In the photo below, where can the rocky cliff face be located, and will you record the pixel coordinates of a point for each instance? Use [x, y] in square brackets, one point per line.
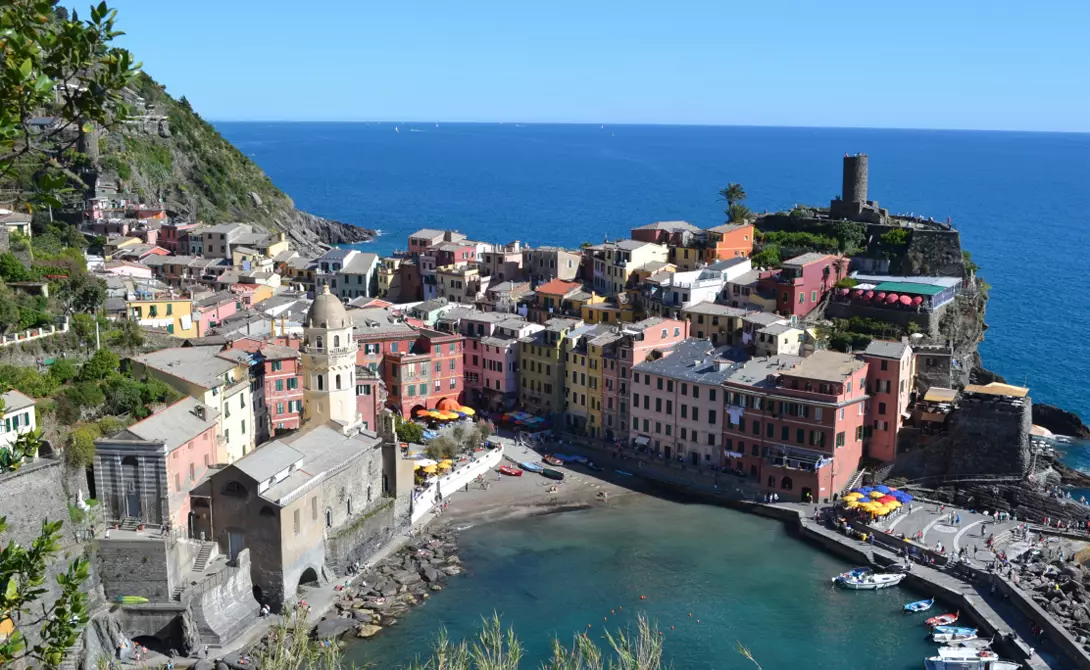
[184, 163]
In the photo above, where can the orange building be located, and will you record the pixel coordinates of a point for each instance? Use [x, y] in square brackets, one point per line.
[729, 241]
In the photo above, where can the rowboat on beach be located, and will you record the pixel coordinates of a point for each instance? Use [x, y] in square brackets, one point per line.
[943, 619]
[553, 460]
[552, 474]
[530, 467]
[919, 605]
[510, 471]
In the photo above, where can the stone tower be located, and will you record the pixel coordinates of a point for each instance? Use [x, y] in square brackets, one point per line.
[329, 363]
[855, 179]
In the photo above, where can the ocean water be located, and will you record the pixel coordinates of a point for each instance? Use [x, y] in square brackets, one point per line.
[712, 577]
[1020, 200]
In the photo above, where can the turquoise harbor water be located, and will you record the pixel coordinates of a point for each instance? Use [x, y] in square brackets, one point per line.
[742, 577]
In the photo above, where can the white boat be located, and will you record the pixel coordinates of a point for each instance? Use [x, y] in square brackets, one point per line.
[952, 633]
[863, 579]
[955, 658]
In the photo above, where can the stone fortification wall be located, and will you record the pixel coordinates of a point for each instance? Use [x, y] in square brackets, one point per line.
[360, 539]
[223, 605]
[135, 567]
[990, 434]
[928, 322]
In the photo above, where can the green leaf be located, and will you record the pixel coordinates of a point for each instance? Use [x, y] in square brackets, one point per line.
[25, 67]
[12, 590]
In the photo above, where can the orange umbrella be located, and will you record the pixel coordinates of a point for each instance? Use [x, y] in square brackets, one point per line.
[421, 412]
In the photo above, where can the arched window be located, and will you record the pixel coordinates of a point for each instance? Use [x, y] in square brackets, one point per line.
[318, 341]
[338, 382]
[328, 518]
[772, 481]
[321, 383]
[336, 341]
[234, 490]
[786, 484]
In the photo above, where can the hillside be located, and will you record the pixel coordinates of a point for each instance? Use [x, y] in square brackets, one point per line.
[168, 153]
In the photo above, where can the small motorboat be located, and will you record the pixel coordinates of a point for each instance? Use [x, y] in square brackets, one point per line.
[531, 467]
[951, 658]
[943, 619]
[865, 579]
[553, 460]
[953, 634]
[920, 605]
[131, 600]
[510, 471]
[552, 474]
[967, 644]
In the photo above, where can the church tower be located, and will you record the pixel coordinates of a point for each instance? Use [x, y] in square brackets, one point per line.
[329, 363]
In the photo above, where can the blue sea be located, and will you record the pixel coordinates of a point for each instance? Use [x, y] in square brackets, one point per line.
[1020, 200]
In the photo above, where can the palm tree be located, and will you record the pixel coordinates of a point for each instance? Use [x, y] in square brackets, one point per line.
[733, 193]
[738, 213]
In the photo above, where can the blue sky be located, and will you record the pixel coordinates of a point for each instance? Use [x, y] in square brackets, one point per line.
[975, 64]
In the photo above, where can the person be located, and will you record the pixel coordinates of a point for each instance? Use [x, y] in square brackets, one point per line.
[957, 520]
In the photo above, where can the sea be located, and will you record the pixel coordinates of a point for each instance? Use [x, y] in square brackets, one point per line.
[1020, 200]
[709, 578]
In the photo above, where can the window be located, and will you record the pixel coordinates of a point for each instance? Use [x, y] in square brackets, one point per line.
[670, 386]
[684, 389]
[412, 390]
[635, 423]
[668, 427]
[328, 518]
[177, 482]
[684, 411]
[321, 383]
[337, 379]
[645, 422]
[243, 426]
[813, 296]
[658, 383]
[817, 414]
[192, 472]
[279, 384]
[452, 347]
[696, 412]
[170, 308]
[802, 298]
[669, 406]
[314, 508]
[393, 347]
[295, 521]
[453, 364]
[439, 385]
[840, 439]
[242, 400]
[227, 435]
[658, 427]
[696, 394]
[658, 404]
[336, 341]
[279, 408]
[293, 383]
[858, 433]
[785, 433]
[770, 430]
[757, 428]
[800, 435]
[636, 400]
[438, 366]
[881, 408]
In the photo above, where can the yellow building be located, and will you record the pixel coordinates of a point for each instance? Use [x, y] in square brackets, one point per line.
[712, 321]
[175, 315]
[607, 313]
[386, 274]
[583, 376]
[542, 368]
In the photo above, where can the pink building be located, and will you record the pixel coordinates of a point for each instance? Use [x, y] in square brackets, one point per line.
[677, 402]
[796, 425]
[890, 377]
[491, 357]
[147, 470]
[172, 237]
[213, 309]
[277, 385]
[636, 342]
[802, 282]
[128, 269]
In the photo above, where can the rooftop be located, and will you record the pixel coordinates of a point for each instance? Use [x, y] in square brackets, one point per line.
[945, 282]
[777, 329]
[360, 263]
[728, 263]
[427, 233]
[558, 287]
[713, 308]
[670, 226]
[173, 426]
[886, 349]
[758, 372]
[763, 319]
[693, 360]
[939, 394]
[15, 401]
[807, 259]
[827, 366]
[198, 365]
[997, 389]
[728, 228]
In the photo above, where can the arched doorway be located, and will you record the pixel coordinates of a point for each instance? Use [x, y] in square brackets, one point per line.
[308, 579]
[152, 643]
[786, 484]
[130, 476]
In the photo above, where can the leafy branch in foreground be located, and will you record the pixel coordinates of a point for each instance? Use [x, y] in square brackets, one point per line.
[22, 575]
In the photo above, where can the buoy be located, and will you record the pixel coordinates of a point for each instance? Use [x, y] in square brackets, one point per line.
[643, 597]
[672, 628]
[698, 620]
[660, 632]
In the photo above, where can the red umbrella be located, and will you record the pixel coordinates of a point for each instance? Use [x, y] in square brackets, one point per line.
[906, 300]
[892, 298]
[844, 291]
[857, 292]
[880, 296]
[887, 499]
[869, 295]
[918, 300]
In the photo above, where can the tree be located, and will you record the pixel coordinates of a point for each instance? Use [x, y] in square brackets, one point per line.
[22, 574]
[127, 335]
[733, 194]
[409, 431]
[99, 366]
[26, 445]
[11, 269]
[83, 325]
[738, 213]
[81, 293]
[57, 66]
[63, 370]
[79, 451]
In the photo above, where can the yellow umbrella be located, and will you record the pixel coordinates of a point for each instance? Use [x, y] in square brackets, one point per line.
[430, 469]
[876, 494]
[417, 466]
[893, 505]
[852, 496]
[435, 414]
[446, 465]
[852, 504]
[468, 411]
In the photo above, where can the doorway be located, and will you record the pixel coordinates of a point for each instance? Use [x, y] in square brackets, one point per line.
[236, 542]
[130, 476]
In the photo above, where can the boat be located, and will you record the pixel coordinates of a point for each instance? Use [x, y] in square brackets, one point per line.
[953, 634]
[869, 581]
[920, 605]
[975, 643]
[953, 658]
[623, 472]
[131, 600]
[553, 460]
[531, 467]
[510, 471]
[943, 619]
[552, 474]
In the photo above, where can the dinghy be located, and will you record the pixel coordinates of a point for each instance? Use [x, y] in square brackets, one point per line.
[920, 605]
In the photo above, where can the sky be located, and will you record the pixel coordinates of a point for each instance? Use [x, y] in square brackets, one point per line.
[962, 64]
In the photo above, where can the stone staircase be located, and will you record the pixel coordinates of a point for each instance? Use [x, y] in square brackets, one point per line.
[129, 523]
[203, 557]
[176, 595]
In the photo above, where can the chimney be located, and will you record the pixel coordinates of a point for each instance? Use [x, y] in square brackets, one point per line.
[199, 411]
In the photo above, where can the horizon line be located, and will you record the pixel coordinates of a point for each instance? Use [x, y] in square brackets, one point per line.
[655, 124]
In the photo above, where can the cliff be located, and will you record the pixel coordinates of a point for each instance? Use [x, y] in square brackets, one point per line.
[169, 154]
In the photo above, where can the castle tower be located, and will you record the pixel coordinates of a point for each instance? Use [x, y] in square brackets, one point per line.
[855, 179]
[329, 363]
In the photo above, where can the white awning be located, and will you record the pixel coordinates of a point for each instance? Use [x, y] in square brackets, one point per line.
[642, 440]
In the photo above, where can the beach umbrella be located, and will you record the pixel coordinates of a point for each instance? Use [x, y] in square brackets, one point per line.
[876, 494]
[918, 300]
[853, 496]
[445, 466]
[887, 499]
[883, 488]
[869, 295]
[892, 298]
[858, 293]
[421, 412]
[852, 504]
[845, 291]
[417, 466]
[468, 411]
[894, 505]
[906, 497]
[425, 461]
[435, 414]
[906, 300]
[430, 469]
[881, 295]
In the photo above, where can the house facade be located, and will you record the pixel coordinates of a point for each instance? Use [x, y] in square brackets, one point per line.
[890, 382]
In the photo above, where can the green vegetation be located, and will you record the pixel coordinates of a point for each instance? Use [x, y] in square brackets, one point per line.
[846, 282]
[898, 237]
[970, 266]
[408, 431]
[734, 195]
[857, 332]
[840, 237]
[23, 572]
[770, 256]
[26, 445]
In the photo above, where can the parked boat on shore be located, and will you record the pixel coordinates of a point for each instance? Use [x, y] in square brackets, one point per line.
[552, 474]
[955, 658]
[510, 471]
[553, 460]
[531, 467]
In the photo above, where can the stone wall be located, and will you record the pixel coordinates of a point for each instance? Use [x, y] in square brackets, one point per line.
[135, 567]
[928, 322]
[360, 539]
[223, 605]
[990, 434]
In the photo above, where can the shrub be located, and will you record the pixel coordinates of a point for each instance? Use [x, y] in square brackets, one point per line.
[63, 370]
[99, 366]
[898, 237]
[79, 452]
[408, 431]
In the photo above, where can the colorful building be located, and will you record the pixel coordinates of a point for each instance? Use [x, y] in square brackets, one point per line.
[542, 368]
[715, 322]
[428, 375]
[890, 377]
[802, 282]
[796, 425]
[174, 315]
[18, 416]
[277, 384]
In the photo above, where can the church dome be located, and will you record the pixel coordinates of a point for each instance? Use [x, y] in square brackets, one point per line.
[327, 311]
